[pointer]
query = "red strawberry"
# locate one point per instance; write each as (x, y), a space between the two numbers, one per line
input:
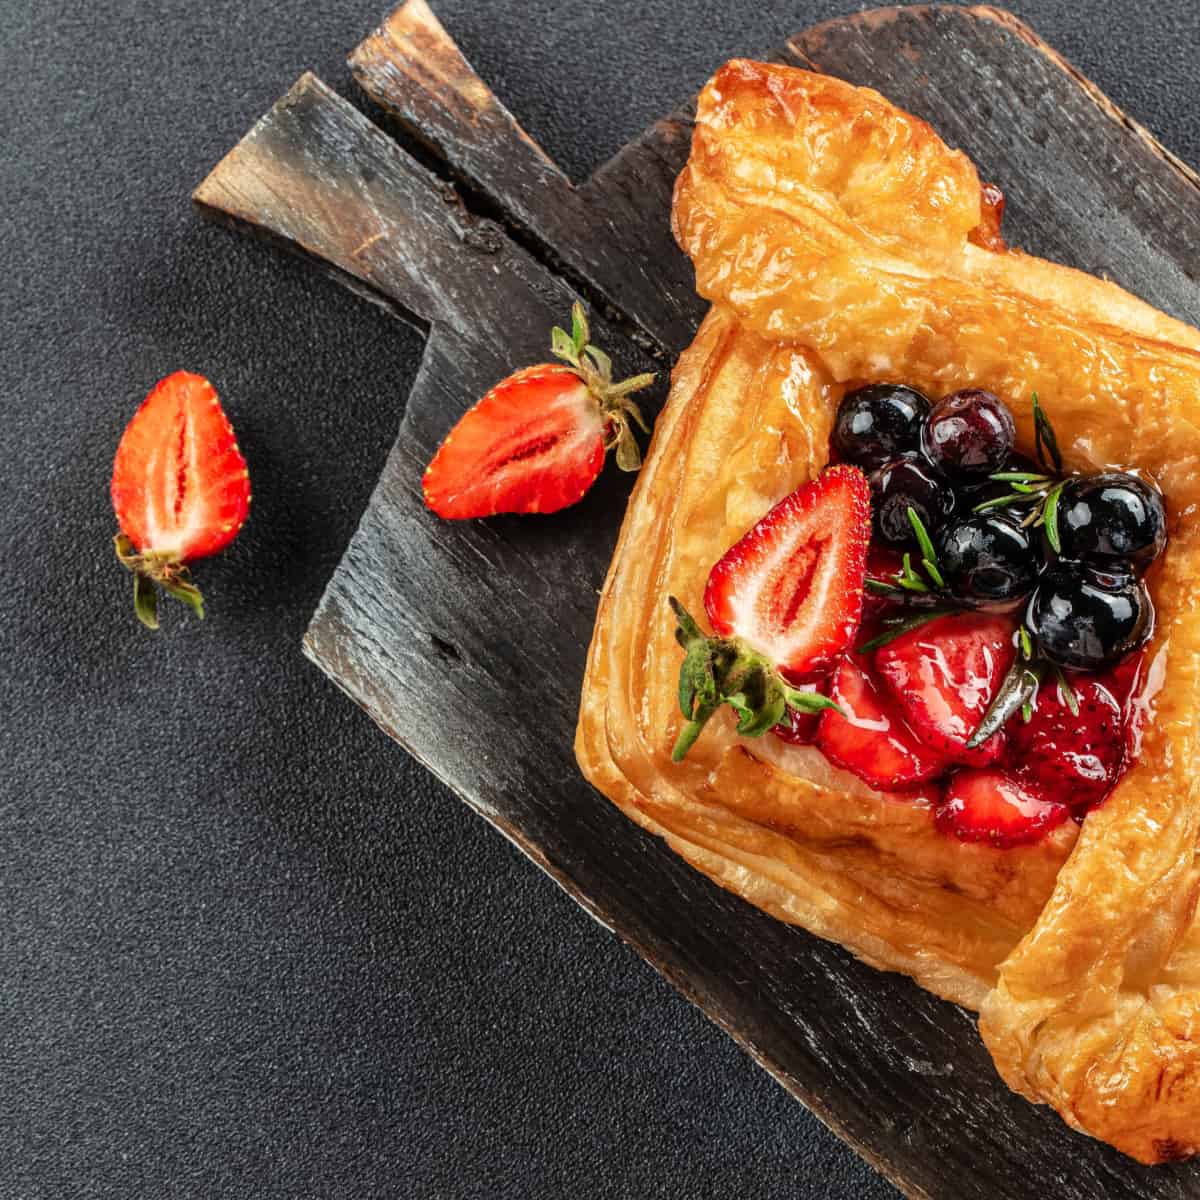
(536, 442)
(989, 806)
(944, 674)
(180, 489)
(1125, 680)
(1075, 758)
(872, 739)
(792, 587)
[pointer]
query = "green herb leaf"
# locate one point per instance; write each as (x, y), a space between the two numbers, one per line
(1044, 440)
(933, 573)
(923, 538)
(1067, 692)
(1026, 643)
(1016, 689)
(1002, 502)
(880, 586)
(1050, 517)
(909, 579)
(1019, 477)
(1027, 711)
(902, 627)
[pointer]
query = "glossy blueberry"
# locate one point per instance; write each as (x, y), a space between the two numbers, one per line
(1111, 518)
(1089, 619)
(878, 422)
(908, 481)
(986, 558)
(969, 434)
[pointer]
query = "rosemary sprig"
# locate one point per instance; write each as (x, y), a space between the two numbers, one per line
(1043, 437)
(1050, 516)
(928, 553)
(1039, 490)
(894, 627)
(1015, 693)
(1018, 690)
(1067, 692)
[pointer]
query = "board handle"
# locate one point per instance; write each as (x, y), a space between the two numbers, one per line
(611, 235)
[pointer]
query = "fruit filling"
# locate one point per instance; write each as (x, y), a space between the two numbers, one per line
(939, 609)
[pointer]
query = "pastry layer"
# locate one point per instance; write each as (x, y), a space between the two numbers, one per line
(832, 233)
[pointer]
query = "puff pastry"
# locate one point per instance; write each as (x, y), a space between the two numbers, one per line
(839, 240)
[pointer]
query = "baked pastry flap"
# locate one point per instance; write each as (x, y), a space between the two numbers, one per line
(840, 242)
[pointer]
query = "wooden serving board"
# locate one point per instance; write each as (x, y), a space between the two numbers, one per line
(466, 641)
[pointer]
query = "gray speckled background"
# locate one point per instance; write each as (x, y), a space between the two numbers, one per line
(247, 948)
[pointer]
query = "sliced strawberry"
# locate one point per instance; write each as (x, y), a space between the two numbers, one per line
(1075, 758)
(872, 739)
(180, 487)
(990, 806)
(180, 490)
(792, 587)
(536, 442)
(944, 674)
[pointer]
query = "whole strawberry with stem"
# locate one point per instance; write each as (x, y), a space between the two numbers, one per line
(785, 603)
(537, 441)
(180, 489)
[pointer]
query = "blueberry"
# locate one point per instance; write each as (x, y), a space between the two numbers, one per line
(1089, 619)
(908, 481)
(987, 557)
(878, 422)
(1110, 519)
(969, 434)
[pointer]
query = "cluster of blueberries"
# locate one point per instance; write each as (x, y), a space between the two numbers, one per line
(1006, 528)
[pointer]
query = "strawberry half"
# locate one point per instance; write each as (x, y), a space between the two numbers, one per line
(943, 676)
(536, 442)
(1075, 756)
(990, 806)
(785, 602)
(180, 490)
(792, 588)
(869, 737)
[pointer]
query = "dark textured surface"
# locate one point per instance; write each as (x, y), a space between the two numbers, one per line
(249, 949)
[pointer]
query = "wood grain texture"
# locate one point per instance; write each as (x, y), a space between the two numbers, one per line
(466, 642)
(613, 233)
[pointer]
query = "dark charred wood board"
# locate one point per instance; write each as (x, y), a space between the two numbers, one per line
(466, 641)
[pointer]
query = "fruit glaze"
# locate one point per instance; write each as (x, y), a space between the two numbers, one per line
(952, 621)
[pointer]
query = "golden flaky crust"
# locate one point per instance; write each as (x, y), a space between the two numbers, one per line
(833, 234)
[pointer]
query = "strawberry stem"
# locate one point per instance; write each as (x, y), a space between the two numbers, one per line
(151, 571)
(717, 671)
(595, 368)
